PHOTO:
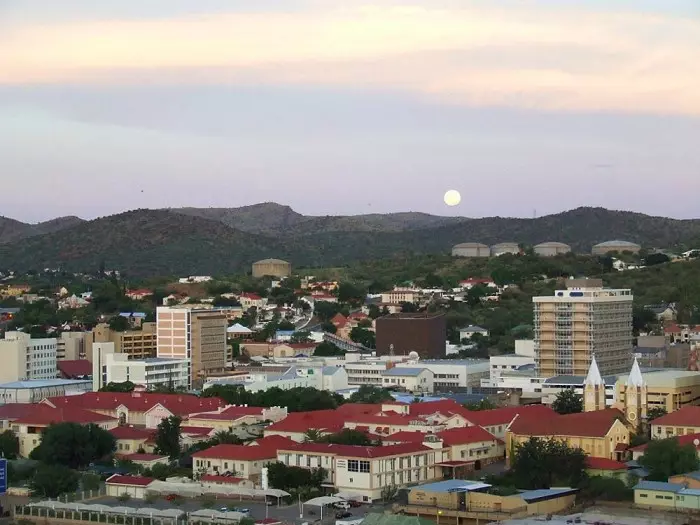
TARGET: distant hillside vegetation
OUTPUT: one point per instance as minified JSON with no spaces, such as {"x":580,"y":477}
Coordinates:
{"x":217,"y":241}
{"x":12,"y":230}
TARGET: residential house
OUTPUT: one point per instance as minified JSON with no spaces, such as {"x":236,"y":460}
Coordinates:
{"x":605,"y":467}
{"x":227,"y":418}
{"x":469,"y":331}
{"x":468,"y":284}
{"x":135,"y":486}
{"x":146,"y":460}
{"x":139,"y":294}
{"x":663,"y":312}
{"x":249,"y":300}
{"x":323,"y":297}
{"x":409,"y":379}
{"x":663,"y":495}
{"x":684,"y":440}
{"x":131,"y":440}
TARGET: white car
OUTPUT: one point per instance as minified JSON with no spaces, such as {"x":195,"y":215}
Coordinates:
{"x":341,"y":505}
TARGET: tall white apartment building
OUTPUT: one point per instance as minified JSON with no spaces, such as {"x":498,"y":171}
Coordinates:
{"x":583,"y":320}
{"x":24,"y":358}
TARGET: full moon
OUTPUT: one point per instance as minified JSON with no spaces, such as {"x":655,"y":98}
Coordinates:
{"x":452,"y":198}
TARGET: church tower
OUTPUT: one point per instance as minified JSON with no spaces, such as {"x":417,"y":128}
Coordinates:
{"x":635,"y":396}
{"x":593,"y":389}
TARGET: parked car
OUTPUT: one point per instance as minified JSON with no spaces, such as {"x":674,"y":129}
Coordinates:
{"x":223,"y":509}
{"x":354,"y":503}
{"x":241,"y":510}
{"x":342,"y":515}
{"x":344,"y":505}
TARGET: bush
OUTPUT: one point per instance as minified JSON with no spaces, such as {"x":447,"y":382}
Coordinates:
{"x":124,"y":497}
{"x":606,"y":489}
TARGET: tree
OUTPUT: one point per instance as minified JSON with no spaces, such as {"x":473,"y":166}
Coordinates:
{"x":325,"y":310}
{"x":53,"y":480}
{"x":666,"y":457}
{"x":300,"y":337}
{"x":73,"y":445}
{"x":286,"y":477}
{"x":9,"y":445}
{"x":655,"y":413}
{"x":567,"y":402}
{"x":126,"y":386}
{"x":223,"y":437}
{"x":168,"y":437}
{"x":90,"y":482}
{"x":607,"y":489}
{"x":484,"y":404}
{"x":326,"y":349}
{"x":364,"y":337}
{"x":313,"y":435}
{"x":119,"y":323}
{"x":540,"y":463}
{"x":656,"y":258}
{"x":374,"y":311}
{"x":371,"y":394}
{"x":350,"y":293}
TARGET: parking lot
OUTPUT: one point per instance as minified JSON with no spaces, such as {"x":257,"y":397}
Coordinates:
{"x":258,"y":510}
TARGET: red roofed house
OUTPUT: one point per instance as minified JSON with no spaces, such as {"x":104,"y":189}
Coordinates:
{"x":496,"y":421}
{"x":606,"y":467}
{"x":296,"y":424}
{"x":600,"y":434}
{"x":138,"y":295}
{"x":139,"y":408}
{"x":233,"y":416}
{"x":688,"y":439}
{"x":248,"y":300}
{"x":28,"y":427}
{"x":134,"y":486}
{"x":685,"y":420}
{"x":130,"y":440}
{"x":366,"y":471}
{"x":240,"y":461}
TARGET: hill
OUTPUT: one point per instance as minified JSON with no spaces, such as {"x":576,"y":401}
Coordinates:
{"x":152,"y":242}
{"x":12,"y":230}
{"x":275,"y":219}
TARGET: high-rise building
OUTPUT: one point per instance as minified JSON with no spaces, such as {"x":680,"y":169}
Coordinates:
{"x":24,"y":358}
{"x":198,"y":335}
{"x":137,"y":344}
{"x":73,"y":345}
{"x":403,"y":333}
{"x":582,"y":320}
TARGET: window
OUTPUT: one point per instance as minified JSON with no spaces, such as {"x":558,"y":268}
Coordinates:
{"x":364,"y":466}
{"x":642,"y":495}
{"x":353,"y":465}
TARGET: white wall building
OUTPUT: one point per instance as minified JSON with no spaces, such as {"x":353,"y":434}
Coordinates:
{"x":452,"y":373}
{"x":35,"y":390}
{"x":411,"y":379}
{"x":365,"y":372}
{"x":24,"y":358}
{"x":469,"y":331}
{"x":151,"y":372}
{"x":331,"y":378}
{"x":499,"y":364}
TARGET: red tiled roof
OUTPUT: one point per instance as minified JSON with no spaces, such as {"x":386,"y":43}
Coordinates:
{"x":213,"y":478}
{"x":230,"y":413}
{"x":178,"y":404}
{"x":353,"y":451}
{"x":584,"y":424}
{"x":238,"y":452}
{"x":45,"y":415}
{"x":466,"y":435}
{"x":131,"y":433}
{"x":140,"y":291}
{"x":339,"y":320}
{"x":139,"y":481}
{"x":143,"y":457}
{"x":13,"y":411}
{"x":404,"y":436}
{"x":251,"y":296}
{"x":328,"y":420}
{"x":672,"y":329}
{"x":382,"y":418}
{"x":604,"y":464}
{"x":355,"y":409}
{"x":503,"y":416}
{"x":447,"y":407}
{"x":75,"y":368}
{"x":687,"y":416}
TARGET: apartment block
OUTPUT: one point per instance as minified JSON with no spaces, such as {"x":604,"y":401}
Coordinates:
{"x":150,"y":373}
{"x":580,"y":321}
{"x":24,"y":358}
{"x":73,"y":345}
{"x":137,"y":344}
{"x":198,"y":335}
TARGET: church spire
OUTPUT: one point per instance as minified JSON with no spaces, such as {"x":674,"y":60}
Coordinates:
{"x":594,"y":378}
{"x":635,"y":378}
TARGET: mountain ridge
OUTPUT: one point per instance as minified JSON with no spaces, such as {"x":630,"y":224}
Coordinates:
{"x":227,"y":240}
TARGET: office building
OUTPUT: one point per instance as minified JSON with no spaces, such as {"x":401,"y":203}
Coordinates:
{"x":582,"y":320}
{"x":34,"y":391}
{"x":24,"y":358}
{"x":137,"y":344}
{"x":401,"y":334}
{"x":198,"y":335}
{"x":71,"y":346}
{"x":150,"y":373}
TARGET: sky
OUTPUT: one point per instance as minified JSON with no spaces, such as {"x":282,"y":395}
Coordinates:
{"x":527,"y":107}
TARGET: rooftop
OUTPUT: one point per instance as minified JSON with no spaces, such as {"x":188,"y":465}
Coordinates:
{"x":659,"y":486}
{"x":583,"y":424}
{"x":44,"y":383}
{"x":404,"y":371}
{"x":452,"y":485}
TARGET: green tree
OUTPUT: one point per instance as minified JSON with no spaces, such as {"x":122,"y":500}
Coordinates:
{"x":224,"y":437}
{"x":540,"y":463}
{"x":328,"y":327}
{"x":326,"y":349}
{"x":73,"y":445}
{"x":126,"y":386}
{"x":52,"y":481}
{"x":666,"y":457}
{"x":351,"y":293}
{"x":371,"y":394}
{"x":325,"y":310}
{"x":567,"y":402}
{"x":167,"y":437}
{"x":119,"y":323}
{"x":349,"y":436}
{"x":364,"y":337}
{"x":484,"y":404}
{"x":300,"y":337}
{"x":374,"y":311}
{"x":313,"y":435}
{"x":606,"y":489}
{"x":655,"y":413}
{"x":9,"y":445}
{"x":90,"y":482}
{"x":656,"y":258}
{"x":285,"y":477}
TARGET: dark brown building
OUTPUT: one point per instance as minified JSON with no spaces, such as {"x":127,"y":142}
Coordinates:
{"x":424,"y":333}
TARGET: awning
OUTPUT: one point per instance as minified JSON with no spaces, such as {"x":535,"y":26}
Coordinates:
{"x":323,"y":500}
{"x":454,"y":463}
